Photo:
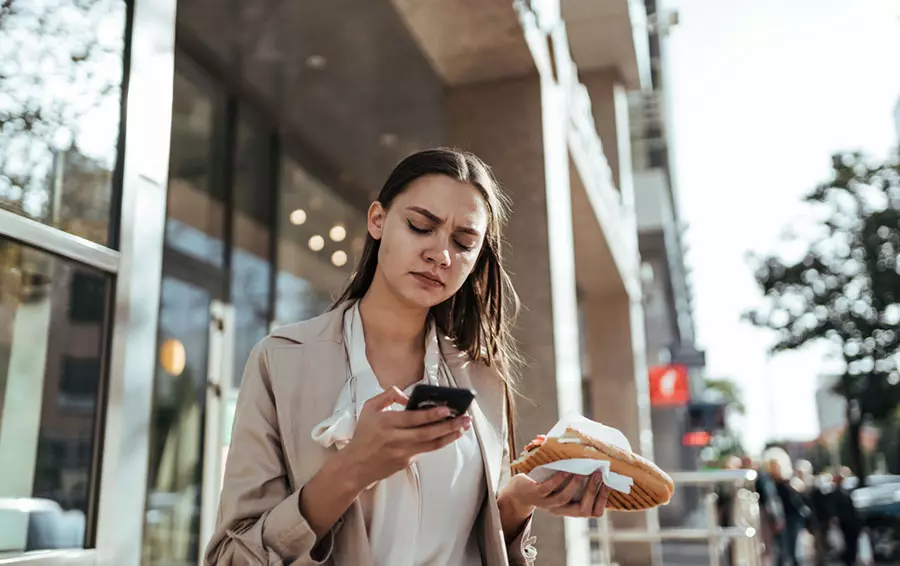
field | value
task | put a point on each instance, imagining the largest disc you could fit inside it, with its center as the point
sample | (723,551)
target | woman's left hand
(555,495)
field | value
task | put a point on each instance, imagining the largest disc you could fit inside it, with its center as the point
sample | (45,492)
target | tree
(728,392)
(60,74)
(727,443)
(845,289)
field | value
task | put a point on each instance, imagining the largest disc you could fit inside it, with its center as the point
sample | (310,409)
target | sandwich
(652,487)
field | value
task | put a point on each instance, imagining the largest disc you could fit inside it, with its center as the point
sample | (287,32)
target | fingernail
(467,424)
(445,411)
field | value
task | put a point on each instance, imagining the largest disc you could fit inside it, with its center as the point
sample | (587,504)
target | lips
(428,279)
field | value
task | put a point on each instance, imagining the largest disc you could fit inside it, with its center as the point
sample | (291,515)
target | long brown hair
(479,317)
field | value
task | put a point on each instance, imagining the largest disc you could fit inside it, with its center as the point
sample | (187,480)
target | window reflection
(320,239)
(61,67)
(251,255)
(50,376)
(195,222)
(171,534)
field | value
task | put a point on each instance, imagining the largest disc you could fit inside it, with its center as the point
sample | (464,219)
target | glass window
(252,240)
(195,222)
(320,238)
(171,528)
(61,69)
(50,375)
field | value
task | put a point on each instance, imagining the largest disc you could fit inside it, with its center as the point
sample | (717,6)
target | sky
(762,93)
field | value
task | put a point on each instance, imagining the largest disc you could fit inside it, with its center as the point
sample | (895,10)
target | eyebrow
(438,220)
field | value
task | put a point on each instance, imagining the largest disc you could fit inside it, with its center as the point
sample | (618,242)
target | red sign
(669,386)
(697,438)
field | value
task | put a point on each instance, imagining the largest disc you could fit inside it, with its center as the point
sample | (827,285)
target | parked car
(879,506)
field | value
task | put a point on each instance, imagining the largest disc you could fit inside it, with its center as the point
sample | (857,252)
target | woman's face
(431,238)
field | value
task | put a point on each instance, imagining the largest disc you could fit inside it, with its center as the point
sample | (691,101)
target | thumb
(384,400)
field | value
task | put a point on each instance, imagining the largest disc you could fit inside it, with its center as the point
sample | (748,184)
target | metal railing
(745,543)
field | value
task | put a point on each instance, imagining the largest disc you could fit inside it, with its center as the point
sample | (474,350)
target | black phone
(457,399)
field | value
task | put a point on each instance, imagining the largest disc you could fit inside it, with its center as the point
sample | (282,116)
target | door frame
(220,368)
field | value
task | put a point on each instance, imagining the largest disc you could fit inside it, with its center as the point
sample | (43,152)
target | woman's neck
(387,320)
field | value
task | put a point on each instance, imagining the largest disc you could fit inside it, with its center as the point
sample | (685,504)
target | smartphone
(457,399)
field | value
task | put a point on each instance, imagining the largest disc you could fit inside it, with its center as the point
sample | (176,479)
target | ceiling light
(316,62)
(298,217)
(172,357)
(337,233)
(388,140)
(316,243)
(339,258)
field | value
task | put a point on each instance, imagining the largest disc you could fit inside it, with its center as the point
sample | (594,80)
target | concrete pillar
(618,395)
(504,123)
(601,85)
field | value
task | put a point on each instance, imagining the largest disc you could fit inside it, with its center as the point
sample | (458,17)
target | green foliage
(845,290)
(729,393)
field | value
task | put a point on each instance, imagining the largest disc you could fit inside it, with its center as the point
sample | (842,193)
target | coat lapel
(325,368)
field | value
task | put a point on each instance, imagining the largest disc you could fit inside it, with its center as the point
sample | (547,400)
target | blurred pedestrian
(845,516)
(771,514)
(778,466)
(815,501)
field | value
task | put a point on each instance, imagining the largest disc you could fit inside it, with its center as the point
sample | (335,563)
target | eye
(463,247)
(416,229)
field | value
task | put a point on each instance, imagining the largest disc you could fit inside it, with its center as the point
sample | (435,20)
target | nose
(439,254)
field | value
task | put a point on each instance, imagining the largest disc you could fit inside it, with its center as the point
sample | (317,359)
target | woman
(321,470)
(780,468)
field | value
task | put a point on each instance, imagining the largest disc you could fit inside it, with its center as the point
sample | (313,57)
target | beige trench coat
(291,383)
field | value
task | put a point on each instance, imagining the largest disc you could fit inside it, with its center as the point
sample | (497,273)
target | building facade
(177,177)
(667,298)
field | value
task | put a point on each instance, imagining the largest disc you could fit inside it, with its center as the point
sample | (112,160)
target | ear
(377,214)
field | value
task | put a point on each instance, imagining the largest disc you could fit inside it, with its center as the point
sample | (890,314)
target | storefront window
(320,240)
(252,237)
(61,71)
(171,534)
(196,215)
(51,360)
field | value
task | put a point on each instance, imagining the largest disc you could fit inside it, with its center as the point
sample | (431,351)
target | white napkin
(585,466)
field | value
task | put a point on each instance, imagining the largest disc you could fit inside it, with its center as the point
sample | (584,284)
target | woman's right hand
(387,441)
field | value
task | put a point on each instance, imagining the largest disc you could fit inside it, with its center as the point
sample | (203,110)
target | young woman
(326,468)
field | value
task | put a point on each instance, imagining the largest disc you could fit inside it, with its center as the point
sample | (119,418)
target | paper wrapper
(585,466)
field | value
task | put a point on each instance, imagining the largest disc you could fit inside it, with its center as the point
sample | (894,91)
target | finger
(568,510)
(601,501)
(434,431)
(590,494)
(384,400)
(415,419)
(437,443)
(554,484)
(564,497)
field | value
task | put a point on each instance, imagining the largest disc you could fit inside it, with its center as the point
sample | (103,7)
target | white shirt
(425,514)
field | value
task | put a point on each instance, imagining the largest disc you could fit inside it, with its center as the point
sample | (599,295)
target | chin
(423,298)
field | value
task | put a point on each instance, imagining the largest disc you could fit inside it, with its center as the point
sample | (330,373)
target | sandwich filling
(569,437)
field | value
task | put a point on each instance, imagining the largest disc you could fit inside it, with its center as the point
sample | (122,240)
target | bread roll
(652,486)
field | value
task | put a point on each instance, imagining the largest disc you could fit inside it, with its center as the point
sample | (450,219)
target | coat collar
(324,328)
